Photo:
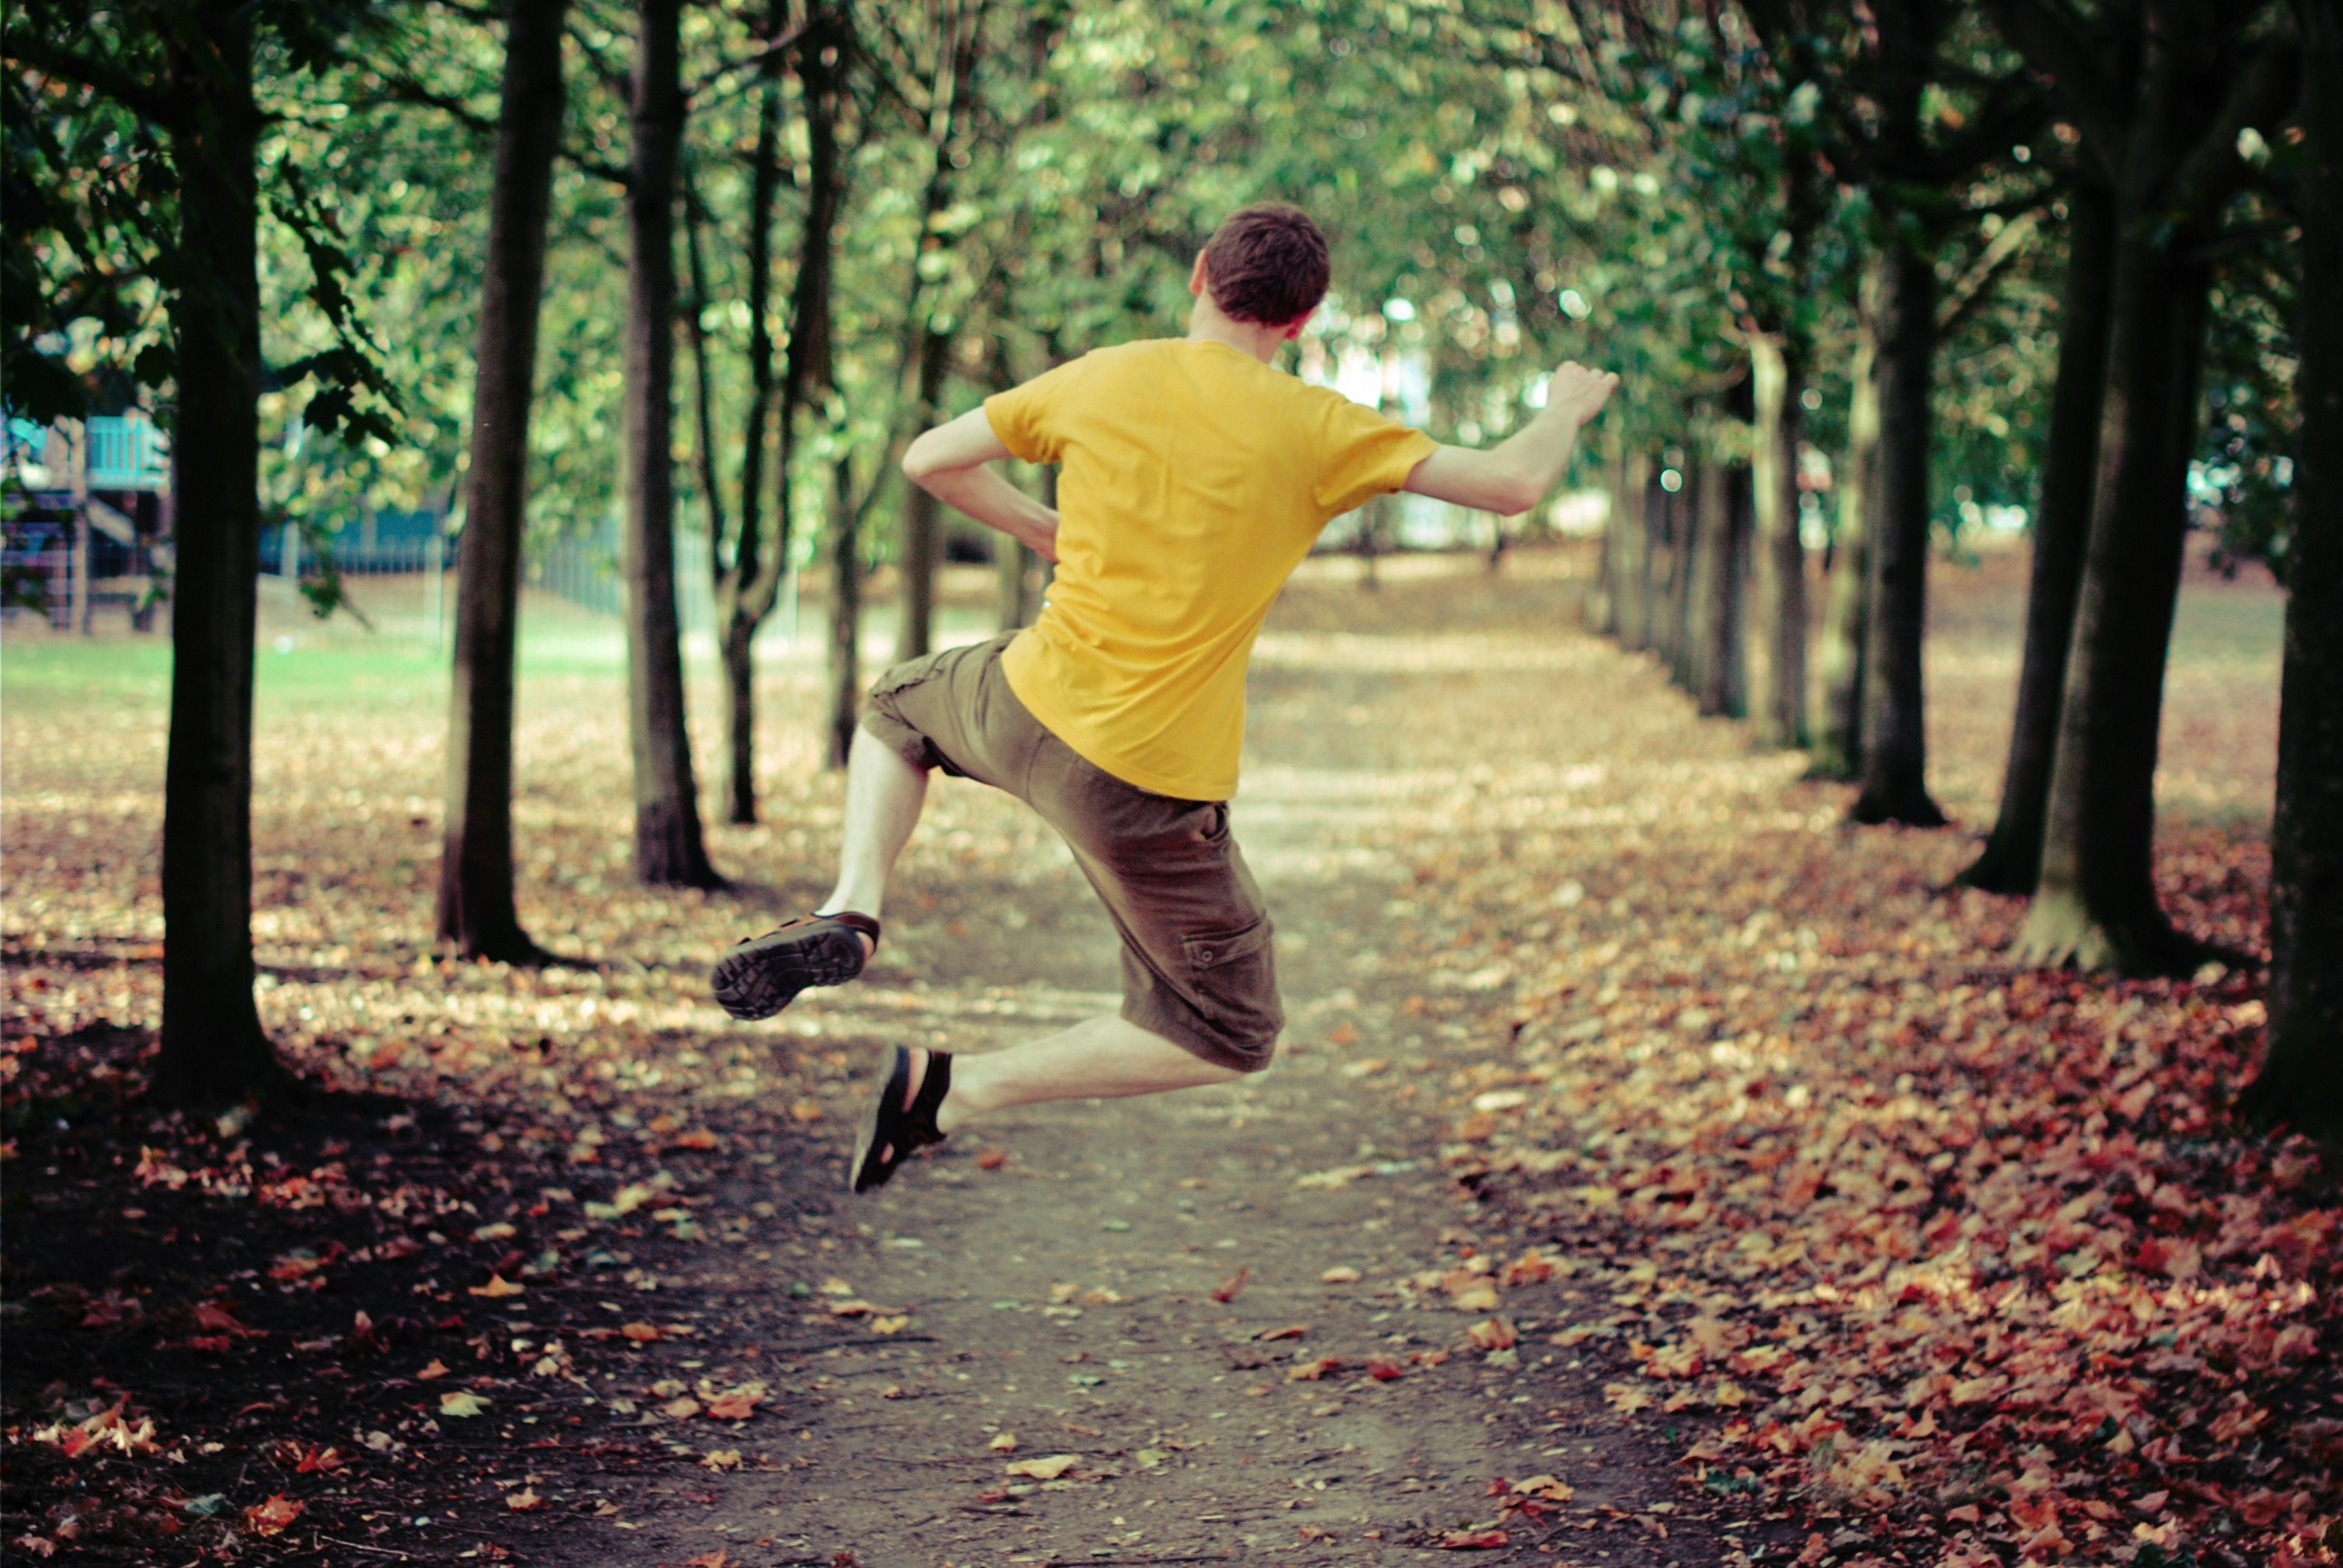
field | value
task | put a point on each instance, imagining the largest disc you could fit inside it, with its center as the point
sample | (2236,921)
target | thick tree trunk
(845,614)
(2095,905)
(1779,700)
(213,1049)
(922,516)
(668,847)
(2301,1082)
(1895,719)
(1630,581)
(2012,856)
(1838,745)
(475,859)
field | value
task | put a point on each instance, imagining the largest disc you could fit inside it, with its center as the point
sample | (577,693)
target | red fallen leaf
(313,1460)
(641,1333)
(1226,1291)
(214,1318)
(720,1558)
(1291,1331)
(270,1518)
(1474,1540)
(733,1407)
(992,1159)
(697,1138)
(1383,1371)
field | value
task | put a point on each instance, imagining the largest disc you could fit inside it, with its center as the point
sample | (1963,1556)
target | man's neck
(1207,324)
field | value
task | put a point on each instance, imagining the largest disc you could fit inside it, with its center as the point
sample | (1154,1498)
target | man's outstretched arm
(1519,472)
(949,462)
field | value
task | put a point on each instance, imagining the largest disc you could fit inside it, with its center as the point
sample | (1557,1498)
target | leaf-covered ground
(1658,1171)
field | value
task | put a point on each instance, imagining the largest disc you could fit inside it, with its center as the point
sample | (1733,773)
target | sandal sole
(866,1131)
(761,977)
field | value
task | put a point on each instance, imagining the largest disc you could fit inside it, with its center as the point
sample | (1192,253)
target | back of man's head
(1267,263)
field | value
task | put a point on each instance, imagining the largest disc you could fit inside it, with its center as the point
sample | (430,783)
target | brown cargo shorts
(1196,962)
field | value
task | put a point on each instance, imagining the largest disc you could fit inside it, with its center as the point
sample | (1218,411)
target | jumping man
(1194,477)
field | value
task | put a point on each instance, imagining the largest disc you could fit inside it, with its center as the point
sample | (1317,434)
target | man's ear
(1196,276)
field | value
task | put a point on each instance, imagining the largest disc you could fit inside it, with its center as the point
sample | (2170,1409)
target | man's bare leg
(1100,1058)
(884,794)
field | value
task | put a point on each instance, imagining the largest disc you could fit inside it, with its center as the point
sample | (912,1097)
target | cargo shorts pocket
(1234,974)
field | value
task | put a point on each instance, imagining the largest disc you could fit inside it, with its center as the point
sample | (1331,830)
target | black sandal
(764,974)
(890,1130)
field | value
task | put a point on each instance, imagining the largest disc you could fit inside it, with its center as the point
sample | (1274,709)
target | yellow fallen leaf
(461,1403)
(1625,1398)
(498,1285)
(1494,1334)
(682,1408)
(721,1459)
(890,1323)
(1003,1442)
(1343,1274)
(1047,1468)
(436,1368)
(525,1500)
(641,1333)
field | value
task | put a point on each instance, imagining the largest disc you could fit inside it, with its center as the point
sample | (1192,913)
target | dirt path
(1065,1297)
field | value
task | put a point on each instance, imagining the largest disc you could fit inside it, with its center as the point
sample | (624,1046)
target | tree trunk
(213,1051)
(1599,611)
(2301,1082)
(1013,587)
(736,633)
(921,513)
(1895,719)
(1838,748)
(1663,519)
(1712,614)
(2095,905)
(2012,856)
(476,859)
(1779,700)
(668,847)
(1631,582)
(845,613)
(1691,513)
(750,587)
(1724,690)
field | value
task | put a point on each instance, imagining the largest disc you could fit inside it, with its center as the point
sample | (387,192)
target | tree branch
(36,53)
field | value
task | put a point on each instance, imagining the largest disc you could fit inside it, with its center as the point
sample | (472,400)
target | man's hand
(1577,393)
(949,462)
(1518,473)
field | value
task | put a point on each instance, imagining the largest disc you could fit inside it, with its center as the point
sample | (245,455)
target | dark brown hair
(1267,263)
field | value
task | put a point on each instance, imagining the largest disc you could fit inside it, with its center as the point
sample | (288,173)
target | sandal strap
(919,1116)
(854,920)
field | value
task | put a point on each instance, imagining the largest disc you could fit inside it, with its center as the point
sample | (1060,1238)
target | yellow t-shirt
(1194,480)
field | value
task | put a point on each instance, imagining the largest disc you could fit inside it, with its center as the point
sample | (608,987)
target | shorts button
(1204,954)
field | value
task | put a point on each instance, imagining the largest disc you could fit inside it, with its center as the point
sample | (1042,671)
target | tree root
(2061,932)
(1909,807)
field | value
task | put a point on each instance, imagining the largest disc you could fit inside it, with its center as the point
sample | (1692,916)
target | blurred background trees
(1877,280)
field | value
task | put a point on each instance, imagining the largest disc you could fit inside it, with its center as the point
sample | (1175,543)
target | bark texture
(213,1048)
(750,586)
(1778,700)
(922,515)
(2302,1081)
(2012,857)
(1846,613)
(2167,131)
(1715,666)
(476,859)
(669,850)
(1895,717)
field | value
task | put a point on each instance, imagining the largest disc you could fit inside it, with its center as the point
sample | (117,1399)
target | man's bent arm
(949,462)
(1518,472)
